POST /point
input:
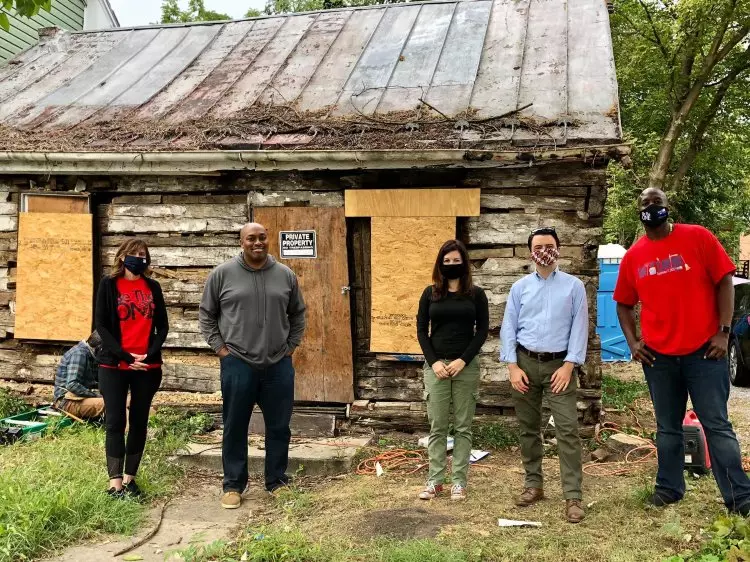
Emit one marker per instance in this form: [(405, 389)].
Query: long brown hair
[(130, 247), (440, 283)]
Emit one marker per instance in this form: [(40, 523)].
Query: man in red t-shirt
[(682, 277)]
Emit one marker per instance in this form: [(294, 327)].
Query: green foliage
[(617, 393), (25, 8), (171, 12), (730, 541), (495, 436), (170, 422), (252, 13), (52, 490), (289, 6), (11, 405), (663, 52)]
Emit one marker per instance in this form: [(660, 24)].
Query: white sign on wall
[(296, 244)]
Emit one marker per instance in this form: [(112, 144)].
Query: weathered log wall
[(192, 224)]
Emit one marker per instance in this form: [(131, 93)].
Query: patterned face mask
[(545, 257)]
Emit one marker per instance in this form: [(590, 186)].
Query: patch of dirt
[(403, 524)]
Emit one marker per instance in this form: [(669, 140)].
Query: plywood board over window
[(404, 250), (412, 202), (55, 271)]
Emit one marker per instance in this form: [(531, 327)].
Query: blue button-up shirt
[(546, 315)]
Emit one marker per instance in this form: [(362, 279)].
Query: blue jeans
[(670, 381), (272, 389)]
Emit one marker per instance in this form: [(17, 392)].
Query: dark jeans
[(670, 381), (114, 385), (272, 389)]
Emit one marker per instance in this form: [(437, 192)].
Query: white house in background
[(73, 15)]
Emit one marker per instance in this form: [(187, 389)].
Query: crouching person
[(76, 381)]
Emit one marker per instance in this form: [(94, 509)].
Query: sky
[(144, 12)]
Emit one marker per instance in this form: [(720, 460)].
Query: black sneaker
[(115, 493), (658, 500), (743, 510), (132, 489)]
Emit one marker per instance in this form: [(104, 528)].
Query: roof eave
[(214, 162)]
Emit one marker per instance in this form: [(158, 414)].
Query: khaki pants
[(461, 392), (85, 408), (529, 413)]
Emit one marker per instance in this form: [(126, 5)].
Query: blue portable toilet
[(614, 346)]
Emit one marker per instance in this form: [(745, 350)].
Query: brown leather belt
[(544, 357)]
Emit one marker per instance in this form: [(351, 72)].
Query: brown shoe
[(574, 511), (231, 500), (529, 497)]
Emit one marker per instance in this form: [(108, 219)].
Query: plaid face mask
[(545, 257)]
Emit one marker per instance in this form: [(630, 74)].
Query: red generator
[(697, 459)]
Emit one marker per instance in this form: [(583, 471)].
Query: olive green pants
[(461, 391), (565, 413)]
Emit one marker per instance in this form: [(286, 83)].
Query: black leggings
[(114, 385)]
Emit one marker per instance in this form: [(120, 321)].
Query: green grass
[(52, 489), (496, 436), (619, 394), (11, 405), (276, 544)]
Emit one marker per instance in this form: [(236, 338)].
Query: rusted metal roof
[(477, 72)]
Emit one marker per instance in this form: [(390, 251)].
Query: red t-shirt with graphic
[(135, 308), (675, 280)]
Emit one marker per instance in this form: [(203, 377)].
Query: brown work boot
[(231, 500), (574, 511), (529, 497)]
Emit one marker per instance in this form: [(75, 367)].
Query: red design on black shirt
[(135, 308)]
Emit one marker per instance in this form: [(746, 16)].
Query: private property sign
[(298, 244)]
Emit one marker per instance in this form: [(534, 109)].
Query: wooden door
[(324, 364)]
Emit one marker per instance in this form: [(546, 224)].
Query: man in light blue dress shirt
[(544, 336)]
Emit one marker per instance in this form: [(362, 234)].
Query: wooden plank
[(396, 289), (412, 202), (166, 224), (195, 211), (301, 425), (451, 87), (324, 88), (224, 76), (57, 204), (296, 198), (403, 357), (532, 203), (184, 257), (301, 64), (175, 241), (544, 76), (373, 71), (412, 76), (244, 93), (229, 36), (514, 228), (324, 360), (54, 247), (499, 74)]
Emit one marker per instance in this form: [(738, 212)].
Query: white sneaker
[(458, 492)]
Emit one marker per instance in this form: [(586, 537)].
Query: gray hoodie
[(258, 314)]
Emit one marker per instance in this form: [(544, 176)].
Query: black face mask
[(136, 265), (654, 215), (453, 270)]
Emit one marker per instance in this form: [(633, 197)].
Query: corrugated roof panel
[(490, 57), (324, 88), (411, 79), (373, 71)]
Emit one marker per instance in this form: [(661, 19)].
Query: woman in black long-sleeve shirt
[(452, 325)]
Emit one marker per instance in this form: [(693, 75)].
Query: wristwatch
[(725, 329)]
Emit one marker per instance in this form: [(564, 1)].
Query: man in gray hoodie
[(253, 316)]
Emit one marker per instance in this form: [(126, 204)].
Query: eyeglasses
[(543, 230)]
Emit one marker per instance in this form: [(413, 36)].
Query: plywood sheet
[(55, 280), (324, 362), (403, 255), (412, 202), (56, 204)]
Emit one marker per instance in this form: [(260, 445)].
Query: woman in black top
[(131, 318), (452, 325)]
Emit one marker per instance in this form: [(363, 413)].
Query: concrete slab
[(311, 457)]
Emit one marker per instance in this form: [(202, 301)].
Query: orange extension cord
[(394, 461)]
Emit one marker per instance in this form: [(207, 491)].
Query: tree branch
[(657, 38)]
